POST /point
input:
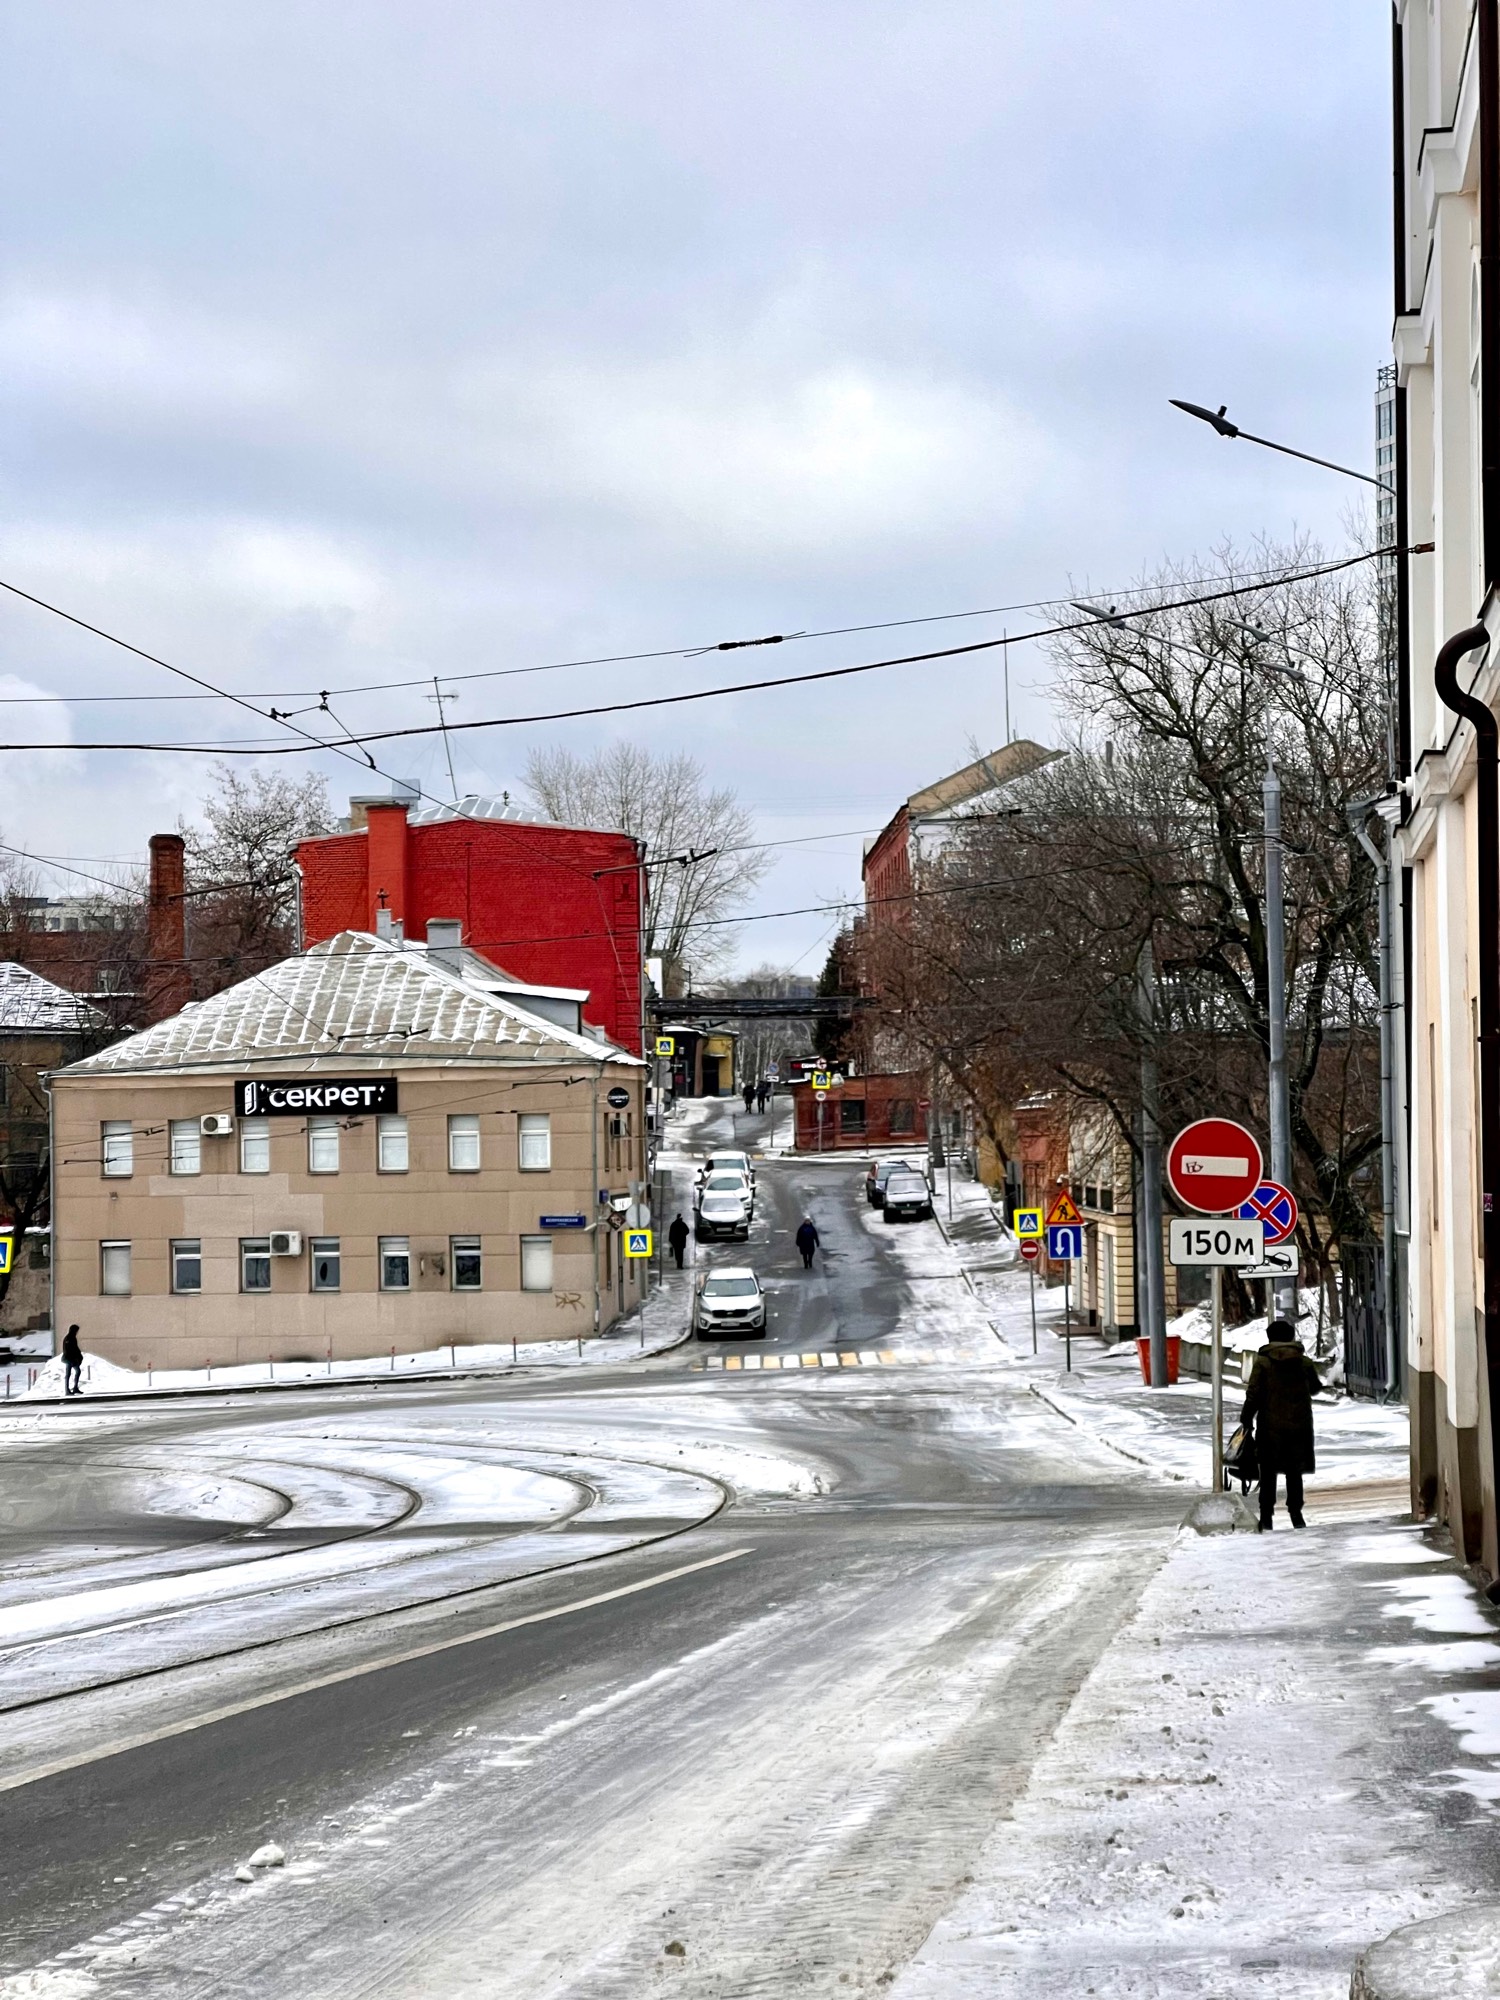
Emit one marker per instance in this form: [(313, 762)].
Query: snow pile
[(97, 1374), (1196, 1325)]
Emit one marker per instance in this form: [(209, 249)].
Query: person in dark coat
[(72, 1357), (762, 1092), (677, 1237), (1278, 1402), (748, 1093), (807, 1241)]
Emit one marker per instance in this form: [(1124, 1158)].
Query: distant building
[(553, 905)]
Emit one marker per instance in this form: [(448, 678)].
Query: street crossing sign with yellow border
[(1063, 1212), (1028, 1222), (666, 1045), (7, 1245), (638, 1243), (820, 1079)]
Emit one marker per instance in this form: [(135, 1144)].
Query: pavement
[(884, 1674)]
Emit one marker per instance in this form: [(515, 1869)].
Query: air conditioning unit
[(286, 1242), (216, 1125)]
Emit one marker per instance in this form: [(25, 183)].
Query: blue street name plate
[(564, 1221)]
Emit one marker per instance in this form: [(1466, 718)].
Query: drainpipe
[(1487, 800), (1489, 287)]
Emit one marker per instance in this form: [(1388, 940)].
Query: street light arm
[(1220, 423)]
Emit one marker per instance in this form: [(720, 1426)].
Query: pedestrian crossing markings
[(827, 1357)]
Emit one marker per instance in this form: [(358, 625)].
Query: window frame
[(115, 1291), (531, 1248), (116, 1129), (533, 1125), (384, 1251), (854, 1114), (255, 1131), (392, 1125), (184, 1129), (185, 1249), (335, 1256), (250, 1248), (464, 1125), (322, 1129), (465, 1246)]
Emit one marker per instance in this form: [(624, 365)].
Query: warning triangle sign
[(1062, 1210)]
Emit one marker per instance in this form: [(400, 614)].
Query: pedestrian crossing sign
[(1063, 1212), (638, 1243), (820, 1079), (1028, 1222), (7, 1244), (666, 1045)]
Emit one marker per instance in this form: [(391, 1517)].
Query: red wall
[(877, 1094), (537, 901)]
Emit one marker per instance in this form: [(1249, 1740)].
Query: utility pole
[(1154, 1290), (1283, 1293)]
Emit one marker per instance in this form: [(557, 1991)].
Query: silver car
[(729, 1301), (723, 1212)]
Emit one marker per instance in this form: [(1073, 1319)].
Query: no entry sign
[(1031, 1249), (1213, 1165)]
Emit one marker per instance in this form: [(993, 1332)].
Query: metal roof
[(29, 1003), (351, 1001)]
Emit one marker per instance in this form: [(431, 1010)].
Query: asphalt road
[(778, 1649)]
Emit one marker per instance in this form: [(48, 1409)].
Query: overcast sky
[(359, 342)]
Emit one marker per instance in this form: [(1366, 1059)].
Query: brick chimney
[(168, 982)]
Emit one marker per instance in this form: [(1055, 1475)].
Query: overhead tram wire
[(316, 695), (367, 737)]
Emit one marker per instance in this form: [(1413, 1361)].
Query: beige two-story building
[(369, 1146)]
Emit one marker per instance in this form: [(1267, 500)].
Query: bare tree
[(699, 844), (241, 884), (763, 1042)]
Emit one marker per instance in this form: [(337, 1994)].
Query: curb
[(500, 1371), (1456, 1957), (1151, 1465)]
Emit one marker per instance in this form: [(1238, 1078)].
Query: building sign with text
[(294, 1097)]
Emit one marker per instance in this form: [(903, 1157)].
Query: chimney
[(385, 862), (445, 937), (168, 983)]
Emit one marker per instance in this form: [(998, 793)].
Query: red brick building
[(552, 905), (863, 1112)]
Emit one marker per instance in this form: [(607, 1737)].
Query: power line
[(669, 700)]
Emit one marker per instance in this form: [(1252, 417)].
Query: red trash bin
[(1174, 1358)]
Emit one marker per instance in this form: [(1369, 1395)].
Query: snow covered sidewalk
[(1285, 1755)]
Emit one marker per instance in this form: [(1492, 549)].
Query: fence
[(1363, 1288)]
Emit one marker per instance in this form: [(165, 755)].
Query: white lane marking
[(205, 1721)]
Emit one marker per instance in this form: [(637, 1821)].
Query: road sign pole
[(1218, 1376), (1068, 1311), (1031, 1273), (1153, 1289), (1280, 1098)]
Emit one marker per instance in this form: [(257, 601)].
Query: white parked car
[(722, 1212), (729, 1301), (729, 1181), (731, 1163)]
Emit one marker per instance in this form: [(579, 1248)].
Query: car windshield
[(729, 1163), (889, 1167), (726, 1183), (905, 1184), (723, 1203), (730, 1288)]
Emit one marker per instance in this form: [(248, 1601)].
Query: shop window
[(119, 1148), (187, 1264), (322, 1145), (326, 1263), (852, 1114), (391, 1143), (536, 1263), (465, 1263), (463, 1143), (255, 1263), (114, 1270), (535, 1137), (255, 1145), (395, 1263), (186, 1155)]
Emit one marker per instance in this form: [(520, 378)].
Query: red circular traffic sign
[(1213, 1165), (1031, 1249)]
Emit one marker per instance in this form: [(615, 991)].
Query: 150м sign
[(1224, 1242), (288, 1097)]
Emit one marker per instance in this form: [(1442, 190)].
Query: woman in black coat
[(1278, 1402)]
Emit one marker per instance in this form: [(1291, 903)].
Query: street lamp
[(1280, 1105)]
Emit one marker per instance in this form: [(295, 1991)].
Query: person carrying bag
[(1278, 1403)]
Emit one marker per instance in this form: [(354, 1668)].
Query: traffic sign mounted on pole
[(1276, 1207), (638, 1243), (820, 1079), (1031, 1249), (666, 1045), (1213, 1165), (1065, 1241), (1063, 1211), (1225, 1241), (1279, 1261), (1028, 1222)]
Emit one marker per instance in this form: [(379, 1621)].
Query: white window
[(119, 1148), (255, 1263), (395, 1263), (391, 1143), (255, 1145), (536, 1263), (535, 1129), (114, 1270), (463, 1143), (322, 1145), (465, 1263), (187, 1265), (187, 1146), (327, 1273)]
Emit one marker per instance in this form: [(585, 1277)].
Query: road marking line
[(868, 1358), (809, 1360), (887, 1354), (848, 1360), (828, 1361), (187, 1726), (734, 1361)]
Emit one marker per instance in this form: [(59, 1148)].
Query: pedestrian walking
[(762, 1096), (72, 1357), (748, 1093), (1278, 1402), (677, 1237), (808, 1240)]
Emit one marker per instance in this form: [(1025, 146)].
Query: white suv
[(729, 1301)]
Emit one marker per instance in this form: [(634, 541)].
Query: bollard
[(513, 1350), (452, 1355), (148, 1374), (330, 1357), (209, 1368), (271, 1366)]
